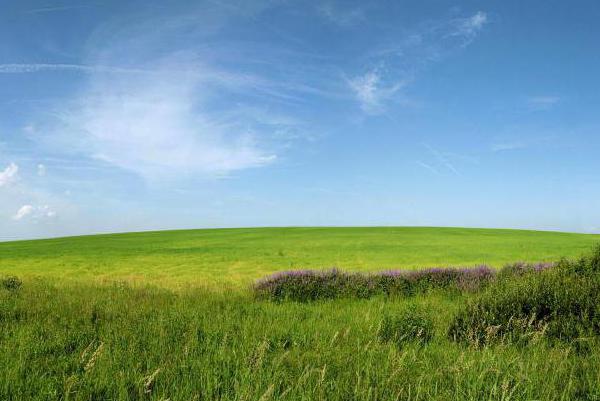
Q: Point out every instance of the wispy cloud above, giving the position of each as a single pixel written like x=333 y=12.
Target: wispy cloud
x=469 y=27
x=523 y=141
x=428 y=167
x=34 y=212
x=9 y=175
x=23 y=211
x=507 y=146
x=42 y=10
x=341 y=15
x=444 y=160
x=406 y=56
x=542 y=102
x=371 y=92
x=193 y=68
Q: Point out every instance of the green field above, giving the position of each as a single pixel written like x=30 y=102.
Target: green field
x=169 y=316
x=237 y=256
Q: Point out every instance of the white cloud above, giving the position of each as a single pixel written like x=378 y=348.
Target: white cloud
x=34 y=212
x=371 y=92
x=9 y=175
x=23 y=211
x=41 y=170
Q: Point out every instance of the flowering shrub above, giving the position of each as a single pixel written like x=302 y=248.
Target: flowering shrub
x=521 y=268
x=311 y=285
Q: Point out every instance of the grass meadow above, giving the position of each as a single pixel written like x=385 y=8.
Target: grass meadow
x=236 y=257
x=171 y=316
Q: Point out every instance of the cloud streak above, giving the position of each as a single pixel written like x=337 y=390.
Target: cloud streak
x=41 y=10
x=428 y=167
x=443 y=159
x=507 y=146
x=29 y=68
x=9 y=175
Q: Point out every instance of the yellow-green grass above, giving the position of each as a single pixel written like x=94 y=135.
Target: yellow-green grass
x=216 y=258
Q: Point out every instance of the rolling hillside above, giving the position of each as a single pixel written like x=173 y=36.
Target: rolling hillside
x=237 y=256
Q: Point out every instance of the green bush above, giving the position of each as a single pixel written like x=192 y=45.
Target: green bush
x=562 y=303
x=410 y=326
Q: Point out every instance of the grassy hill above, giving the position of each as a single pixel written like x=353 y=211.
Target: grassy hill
x=76 y=340
x=237 y=256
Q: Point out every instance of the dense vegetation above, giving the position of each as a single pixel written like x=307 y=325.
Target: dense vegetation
x=530 y=333
x=558 y=303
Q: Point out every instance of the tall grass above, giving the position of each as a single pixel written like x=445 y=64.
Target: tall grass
x=80 y=342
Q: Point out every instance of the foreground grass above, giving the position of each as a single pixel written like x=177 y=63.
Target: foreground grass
x=235 y=257
x=82 y=342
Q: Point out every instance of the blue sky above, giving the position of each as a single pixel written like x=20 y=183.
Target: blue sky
x=136 y=115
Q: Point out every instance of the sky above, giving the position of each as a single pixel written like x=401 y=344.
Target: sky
x=142 y=115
